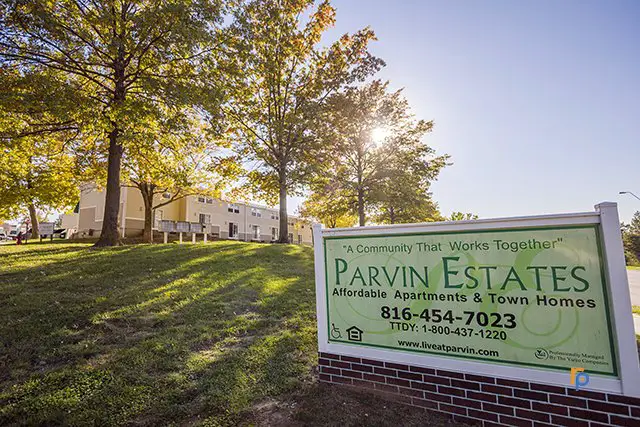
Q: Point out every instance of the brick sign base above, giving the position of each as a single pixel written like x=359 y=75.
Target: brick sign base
x=475 y=399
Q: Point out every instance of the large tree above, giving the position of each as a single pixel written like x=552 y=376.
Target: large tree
x=404 y=197
x=36 y=174
x=380 y=161
x=179 y=156
x=634 y=225
x=284 y=77
x=631 y=239
x=126 y=56
x=328 y=206
x=38 y=137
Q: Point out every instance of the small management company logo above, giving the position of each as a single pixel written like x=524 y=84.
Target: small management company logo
x=541 y=354
x=579 y=378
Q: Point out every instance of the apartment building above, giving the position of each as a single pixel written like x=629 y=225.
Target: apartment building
x=227 y=220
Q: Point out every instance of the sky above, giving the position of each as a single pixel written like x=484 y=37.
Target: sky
x=537 y=102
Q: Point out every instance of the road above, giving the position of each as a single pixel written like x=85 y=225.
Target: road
x=634 y=286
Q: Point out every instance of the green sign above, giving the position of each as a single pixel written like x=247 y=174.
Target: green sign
x=526 y=297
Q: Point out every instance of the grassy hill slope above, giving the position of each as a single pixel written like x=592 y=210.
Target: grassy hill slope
x=215 y=334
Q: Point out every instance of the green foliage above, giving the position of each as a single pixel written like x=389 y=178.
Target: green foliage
x=328 y=206
x=124 y=62
x=38 y=170
x=403 y=195
x=182 y=156
x=461 y=216
x=379 y=162
x=280 y=78
x=634 y=226
x=631 y=240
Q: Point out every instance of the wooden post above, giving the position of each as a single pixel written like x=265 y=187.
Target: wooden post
x=205 y=237
x=166 y=237
x=193 y=237
x=181 y=237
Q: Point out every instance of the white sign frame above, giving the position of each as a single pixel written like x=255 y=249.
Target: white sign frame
x=605 y=215
x=48 y=226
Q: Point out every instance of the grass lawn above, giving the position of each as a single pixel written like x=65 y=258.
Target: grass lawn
x=633 y=267
x=215 y=334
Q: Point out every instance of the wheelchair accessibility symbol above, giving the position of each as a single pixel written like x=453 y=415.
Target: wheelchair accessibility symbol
x=335 y=332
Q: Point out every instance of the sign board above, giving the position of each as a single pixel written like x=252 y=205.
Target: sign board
x=182 y=227
x=167 y=225
x=196 y=227
x=46 y=228
x=531 y=293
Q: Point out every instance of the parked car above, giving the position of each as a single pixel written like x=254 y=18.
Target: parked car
x=3 y=235
x=13 y=234
x=60 y=232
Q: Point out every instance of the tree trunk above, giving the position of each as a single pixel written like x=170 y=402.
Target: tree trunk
x=360 y=171
x=35 y=229
x=361 y=217
x=109 y=235
x=284 y=217
x=147 y=197
x=392 y=215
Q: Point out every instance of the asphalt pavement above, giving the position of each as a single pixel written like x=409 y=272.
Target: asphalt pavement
x=634 y=286
x=634 y=290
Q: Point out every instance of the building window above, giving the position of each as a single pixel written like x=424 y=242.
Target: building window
x=299 y=239
x=274 y=233
x=166 y=195
x=233 y=230
x=256 y=212
x=233 y=208
x=274 y=216
x=204 y=219
x=209 y=201
x=255 y=232
x=201 y=199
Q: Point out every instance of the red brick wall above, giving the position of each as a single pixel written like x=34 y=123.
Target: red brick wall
x=476 y=399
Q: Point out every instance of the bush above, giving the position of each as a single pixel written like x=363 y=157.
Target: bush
x=631 y=248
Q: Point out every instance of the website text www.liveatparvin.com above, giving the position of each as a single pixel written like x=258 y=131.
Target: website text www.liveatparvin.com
x=423 y=345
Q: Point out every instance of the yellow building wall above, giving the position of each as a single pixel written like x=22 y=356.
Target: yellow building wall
x=134 y=203
x=189 y=209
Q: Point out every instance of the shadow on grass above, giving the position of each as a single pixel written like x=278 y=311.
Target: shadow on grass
x=152 y=334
